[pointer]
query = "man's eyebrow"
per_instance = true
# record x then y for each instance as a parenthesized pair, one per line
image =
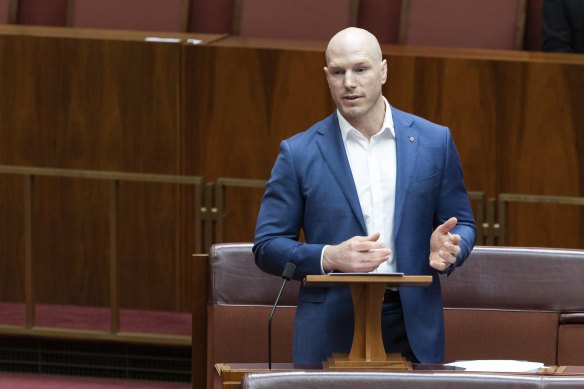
(362, 63)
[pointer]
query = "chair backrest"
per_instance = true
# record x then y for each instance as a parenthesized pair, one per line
(381, 18)
(293, 19)
(240, 301)
(508, 295)
(211, 16)
(146, 15)
(8, 10)
(488, 24)
(533, 35)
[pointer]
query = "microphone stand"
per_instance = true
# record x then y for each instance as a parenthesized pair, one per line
(286, 275)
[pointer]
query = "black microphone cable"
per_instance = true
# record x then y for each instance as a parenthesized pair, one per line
(287, 274)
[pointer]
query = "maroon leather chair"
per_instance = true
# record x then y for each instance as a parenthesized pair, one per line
(241, 297)
(8, 10)
(146, 15)
(297, 19)
(488, 24)
(516, 303)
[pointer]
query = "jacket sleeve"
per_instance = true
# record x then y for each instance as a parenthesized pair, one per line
(280, 220)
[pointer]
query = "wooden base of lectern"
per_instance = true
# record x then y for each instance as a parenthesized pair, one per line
(394, 361)
(367, 291)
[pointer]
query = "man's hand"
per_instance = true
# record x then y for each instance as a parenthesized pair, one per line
(358, 254)
(444, 246)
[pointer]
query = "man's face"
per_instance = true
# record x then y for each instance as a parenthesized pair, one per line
(355, 78)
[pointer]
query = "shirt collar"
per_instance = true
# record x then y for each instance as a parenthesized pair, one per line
(346, 127)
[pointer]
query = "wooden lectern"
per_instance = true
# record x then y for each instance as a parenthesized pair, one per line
(367, 351)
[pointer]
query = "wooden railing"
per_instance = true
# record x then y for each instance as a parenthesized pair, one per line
(29, 175)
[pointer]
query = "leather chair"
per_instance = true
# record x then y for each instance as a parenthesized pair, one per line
(293, 19)
(381, 18)
(533, 34)
(146, 15)
(516, 303)
(488, 24)
(241, 297)
(399, 380)
(8, 10)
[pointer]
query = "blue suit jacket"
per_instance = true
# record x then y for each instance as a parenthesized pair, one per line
(312, 188)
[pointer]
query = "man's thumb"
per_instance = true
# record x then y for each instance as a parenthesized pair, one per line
(448, 225)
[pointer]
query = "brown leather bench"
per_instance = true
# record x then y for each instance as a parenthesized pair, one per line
(504, 303)
(516, 303)
(402, 380)
(241, 297)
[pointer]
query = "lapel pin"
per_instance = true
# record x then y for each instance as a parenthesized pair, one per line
(411, 138)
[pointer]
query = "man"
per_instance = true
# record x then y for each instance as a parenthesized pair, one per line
(563, 26)
(373, 189)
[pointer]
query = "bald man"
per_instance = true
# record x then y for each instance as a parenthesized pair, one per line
(374, 189)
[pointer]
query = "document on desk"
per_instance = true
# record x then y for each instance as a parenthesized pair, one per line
(365, 274)
(498, 365)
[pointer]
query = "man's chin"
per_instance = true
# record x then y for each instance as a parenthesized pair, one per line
(351, 112)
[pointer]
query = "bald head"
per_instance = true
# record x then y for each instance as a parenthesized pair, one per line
(356, 71)
(354, 39)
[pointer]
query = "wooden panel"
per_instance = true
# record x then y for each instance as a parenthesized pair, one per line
(89, 104)
(244, 103)
(458, 93)
(240, 221)
(545, 225)
(70, 241)
(148, 234)
(513, 115)
(12, 209)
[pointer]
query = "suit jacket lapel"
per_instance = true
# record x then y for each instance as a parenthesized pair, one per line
(333, 151)
(406, 142)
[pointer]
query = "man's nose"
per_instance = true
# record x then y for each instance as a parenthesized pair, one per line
(349, 80)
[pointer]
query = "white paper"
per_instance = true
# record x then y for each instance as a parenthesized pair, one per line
(164, 40)
(366, 274)
(498, 365)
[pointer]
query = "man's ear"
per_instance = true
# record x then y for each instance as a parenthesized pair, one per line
(383, 71)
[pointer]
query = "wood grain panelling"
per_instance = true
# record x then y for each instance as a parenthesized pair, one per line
(512, 114)
(542, 154)
(241, 210)
(70, 241)
(148, 235)
(240, 103)
(12, 209)
(89, 104)
(457, 93)
(545, 225)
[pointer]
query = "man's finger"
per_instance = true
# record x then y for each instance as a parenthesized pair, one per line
(371, 238)
(447, 225)
(454, 238)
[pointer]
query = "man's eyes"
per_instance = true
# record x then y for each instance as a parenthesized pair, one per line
(356, 70)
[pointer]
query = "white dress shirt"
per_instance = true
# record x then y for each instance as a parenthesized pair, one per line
(373, 165)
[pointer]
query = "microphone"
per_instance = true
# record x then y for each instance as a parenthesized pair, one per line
(287, 274)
